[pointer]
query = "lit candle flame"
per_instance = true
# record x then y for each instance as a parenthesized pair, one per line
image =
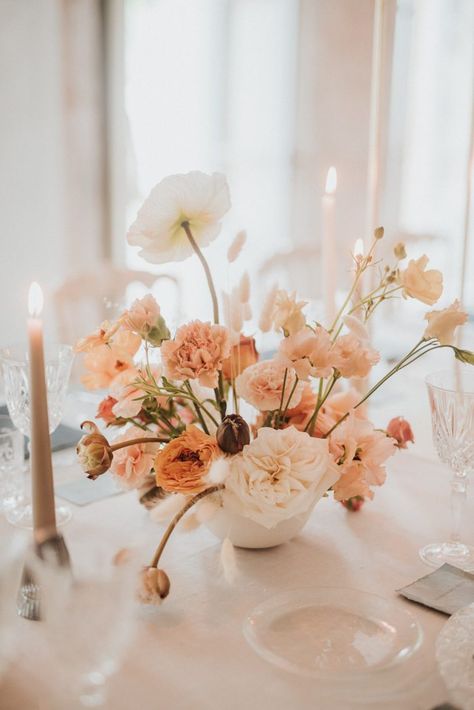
(331, 181)
(35, 300)
(359, 248)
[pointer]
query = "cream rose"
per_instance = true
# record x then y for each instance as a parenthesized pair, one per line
(280, 474)
(425, 286)
(261, 385)
(442, 324)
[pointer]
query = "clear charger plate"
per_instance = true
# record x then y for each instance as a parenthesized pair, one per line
(336, 635)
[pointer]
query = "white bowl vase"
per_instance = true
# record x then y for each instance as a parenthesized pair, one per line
(244, 532)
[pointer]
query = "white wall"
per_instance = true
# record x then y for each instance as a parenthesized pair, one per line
(48, 177)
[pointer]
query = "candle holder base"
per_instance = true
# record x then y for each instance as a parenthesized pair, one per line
(54, 552)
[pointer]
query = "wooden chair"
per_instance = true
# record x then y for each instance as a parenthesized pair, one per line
(82, 302)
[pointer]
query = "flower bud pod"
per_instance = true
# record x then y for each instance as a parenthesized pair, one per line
(233, 434)
(155, 586)
(399, 250)
(94, 452)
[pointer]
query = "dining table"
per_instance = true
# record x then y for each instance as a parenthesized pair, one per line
(191, 653)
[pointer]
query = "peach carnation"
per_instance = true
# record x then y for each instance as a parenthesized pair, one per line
(197, 352)
(353, 358)
(308, 352)
(181, 466)
(133, 464)
(442, 324)
(261, 385)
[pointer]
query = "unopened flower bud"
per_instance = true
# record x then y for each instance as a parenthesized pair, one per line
(233, 434)
(353, 504)
(155, 586)
(399, 250)
(158, 332)
(94, 452)
(400, 430)
(379, 232)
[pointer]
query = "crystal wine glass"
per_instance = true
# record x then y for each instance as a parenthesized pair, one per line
(15, 367)
(451, 396)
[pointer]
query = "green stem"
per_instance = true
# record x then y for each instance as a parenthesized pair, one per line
(140, 440)
(192, 501)
(205, 266)
(277, 418)
(197, 407)
(404, 361)
(283, 414)
(321, 400)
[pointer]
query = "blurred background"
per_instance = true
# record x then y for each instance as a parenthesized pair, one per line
(103, 98)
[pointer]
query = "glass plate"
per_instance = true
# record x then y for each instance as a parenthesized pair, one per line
(332, 634)
(455, 656)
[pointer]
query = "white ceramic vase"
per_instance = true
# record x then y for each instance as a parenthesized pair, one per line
(244, 532)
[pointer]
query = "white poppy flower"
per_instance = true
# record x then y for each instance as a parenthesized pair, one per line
(199, 199)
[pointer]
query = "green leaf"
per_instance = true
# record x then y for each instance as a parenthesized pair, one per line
(465, 356)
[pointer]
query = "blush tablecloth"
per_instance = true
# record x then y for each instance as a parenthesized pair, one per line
(192, 653)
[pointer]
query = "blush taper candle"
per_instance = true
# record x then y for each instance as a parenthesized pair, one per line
(44, 518)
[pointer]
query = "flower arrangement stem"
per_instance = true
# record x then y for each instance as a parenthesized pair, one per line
(140, 440)
(197, 408)
(413, 355)
(205, 266)
(167, 534)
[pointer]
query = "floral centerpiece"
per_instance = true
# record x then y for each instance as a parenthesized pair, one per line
(206, 424)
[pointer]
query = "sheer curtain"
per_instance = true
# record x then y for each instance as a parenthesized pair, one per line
(210, 86)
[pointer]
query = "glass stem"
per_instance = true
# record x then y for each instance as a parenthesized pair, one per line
(459, 483)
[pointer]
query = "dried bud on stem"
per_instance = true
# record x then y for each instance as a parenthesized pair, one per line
(233, 434)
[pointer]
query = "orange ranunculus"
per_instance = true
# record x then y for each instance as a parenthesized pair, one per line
(241, 356)
(181, 466)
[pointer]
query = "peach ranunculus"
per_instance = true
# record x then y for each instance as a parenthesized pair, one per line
(279, 475)
(181, 466)
(144, 318)
(287, 313)
(424, 285)
(196, 352)
(105, 362)
(261, 385)
(352, 357)
(242, 355)
(442, 324)
(308, 352)
(360, 451)
(400, 430)
(101, 336)
(132, 464)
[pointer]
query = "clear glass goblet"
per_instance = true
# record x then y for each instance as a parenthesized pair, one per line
(451, 396)
(87, 615)
(11, 463)
(15, 367)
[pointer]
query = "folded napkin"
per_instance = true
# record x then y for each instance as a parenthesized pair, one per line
(447, 589)
(63, 438)
(83, 492)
